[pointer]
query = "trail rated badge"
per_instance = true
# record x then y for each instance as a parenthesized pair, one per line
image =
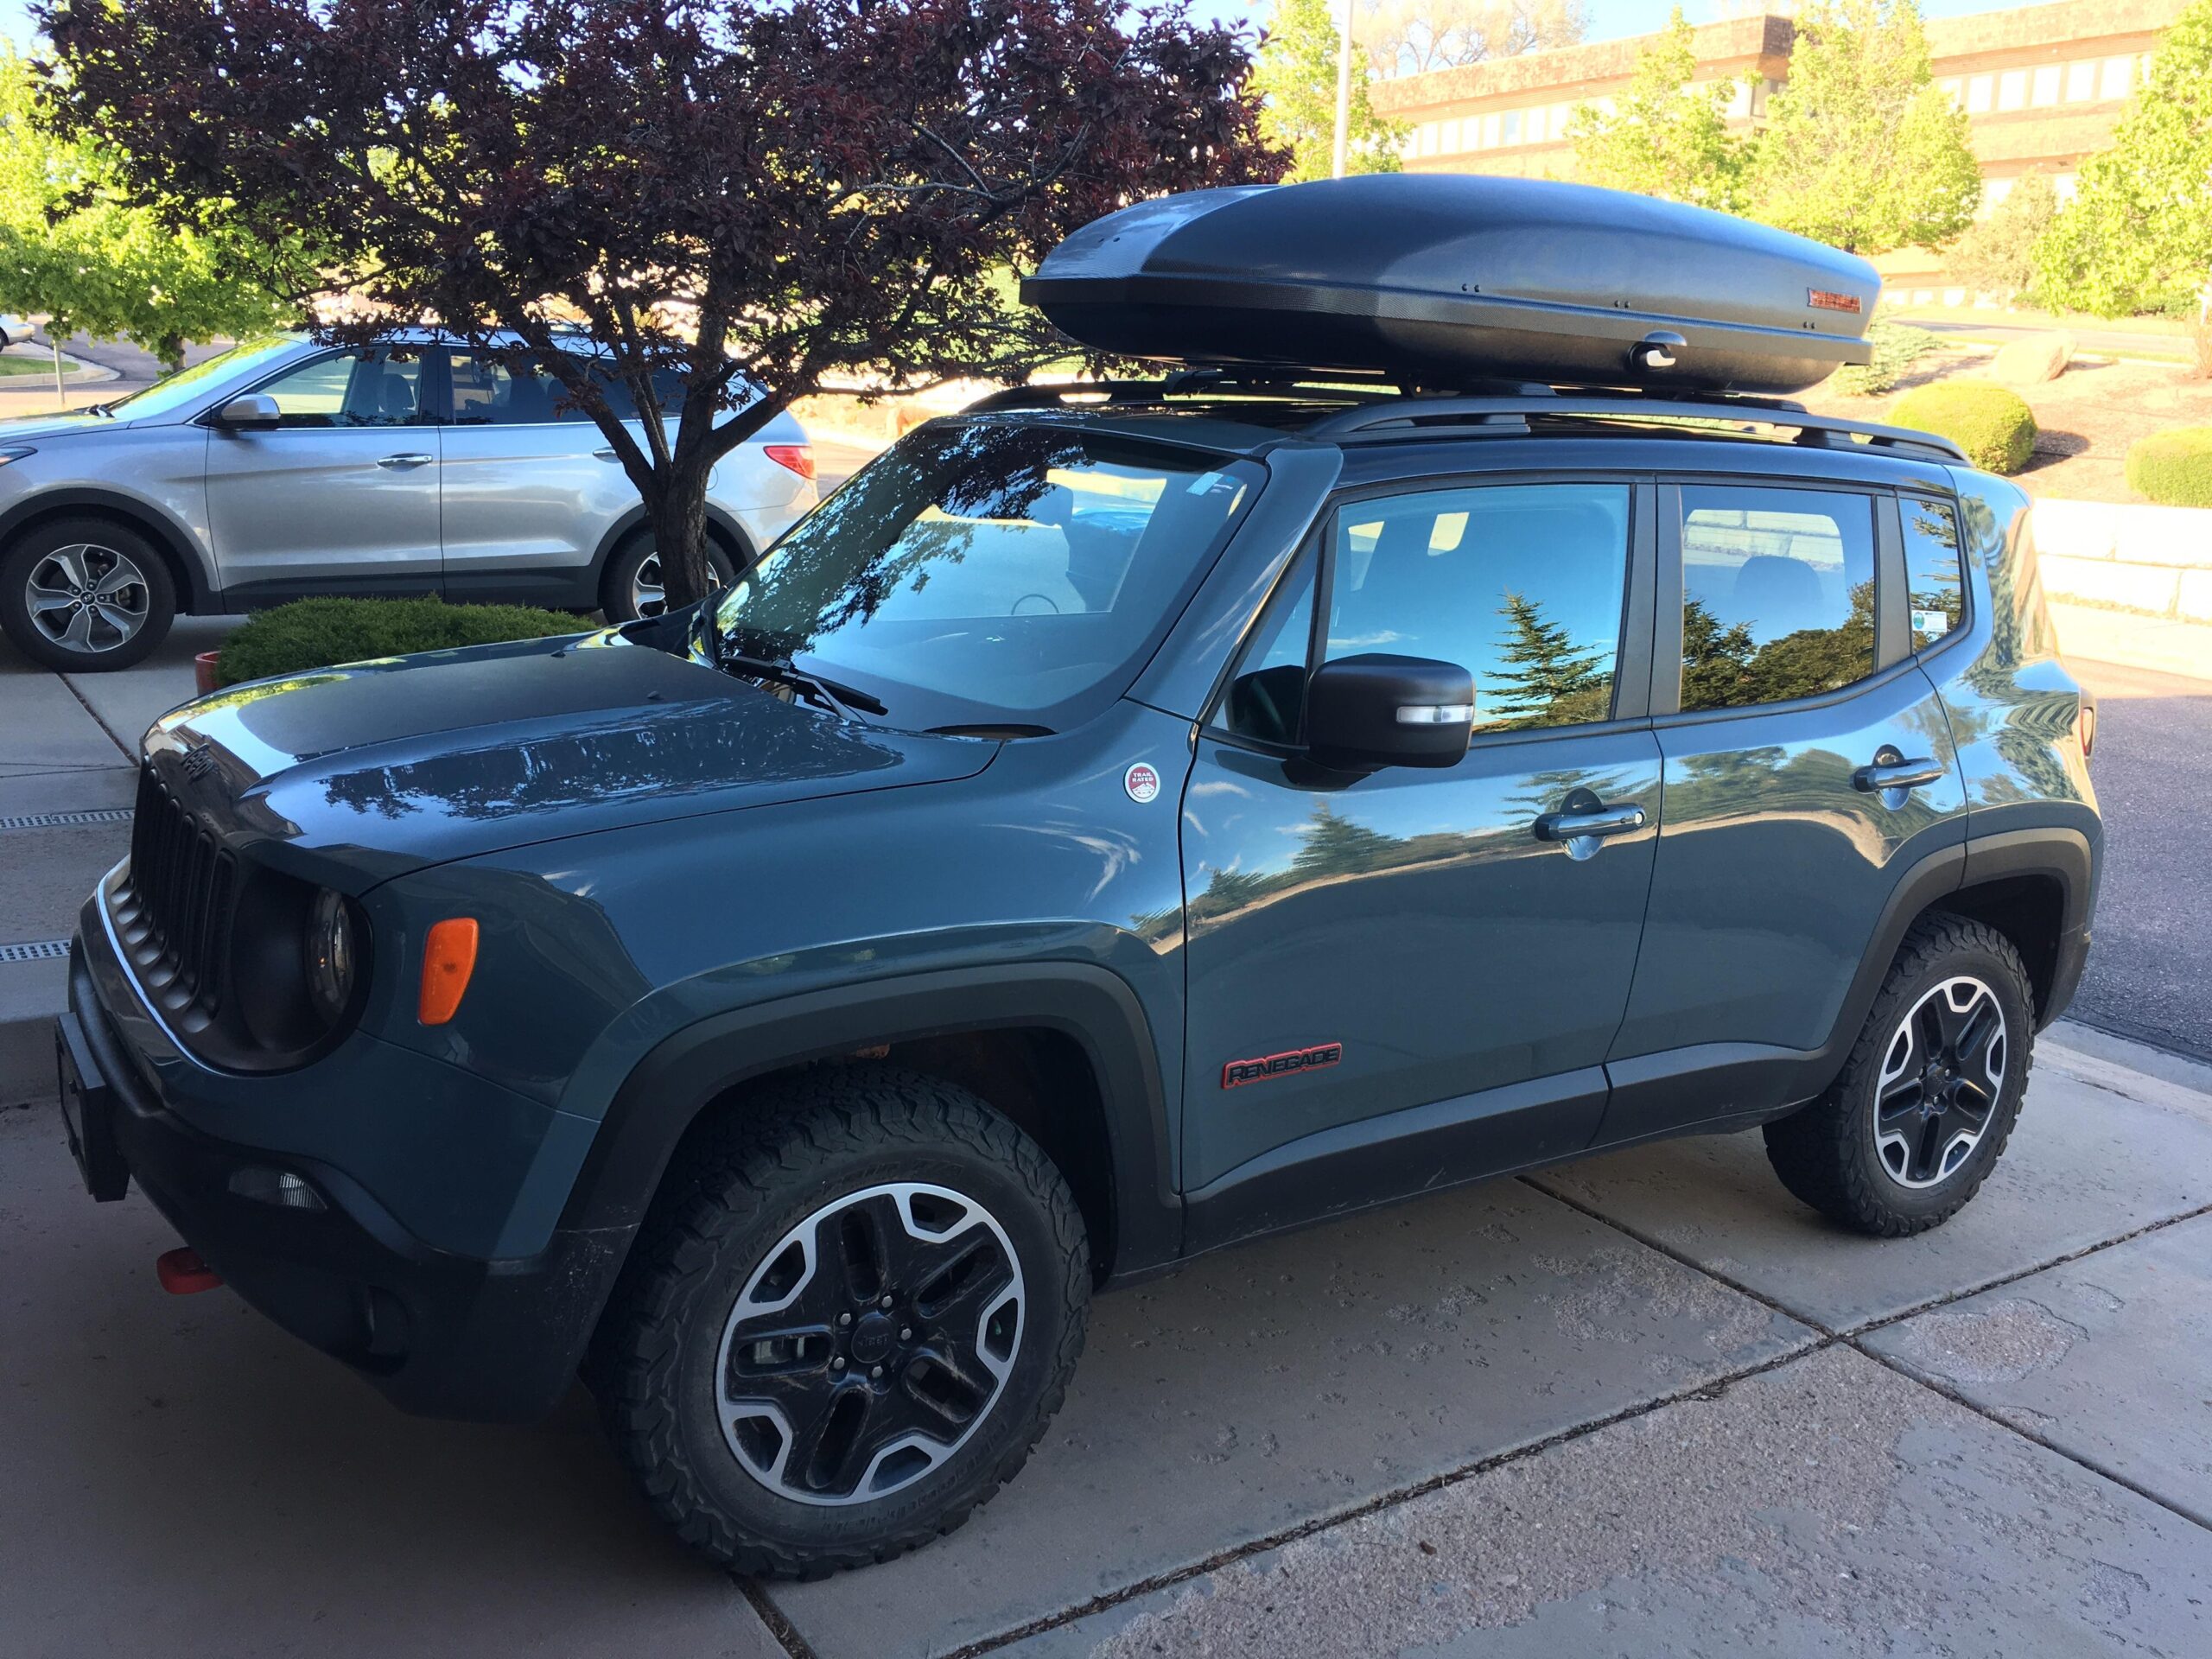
(1142, 782)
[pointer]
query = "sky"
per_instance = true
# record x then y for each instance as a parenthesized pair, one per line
(1609, 19)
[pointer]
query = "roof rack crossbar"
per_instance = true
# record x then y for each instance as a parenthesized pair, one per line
(1382, 422)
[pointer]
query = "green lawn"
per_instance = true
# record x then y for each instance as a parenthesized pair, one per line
(12, 365)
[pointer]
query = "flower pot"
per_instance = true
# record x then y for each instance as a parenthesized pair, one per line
(203, 671)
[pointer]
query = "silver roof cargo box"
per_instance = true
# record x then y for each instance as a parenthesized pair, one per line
(1446, 280)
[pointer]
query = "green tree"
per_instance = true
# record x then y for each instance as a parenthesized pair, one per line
(2138, 235)
(1860, 149)
(1296, 74)
(1997, 255)
(1664, 137)
(72, 247)
(1546, 679)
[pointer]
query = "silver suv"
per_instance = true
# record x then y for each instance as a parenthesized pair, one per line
(418, 467)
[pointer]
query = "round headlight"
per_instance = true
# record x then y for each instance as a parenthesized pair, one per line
(330, 955)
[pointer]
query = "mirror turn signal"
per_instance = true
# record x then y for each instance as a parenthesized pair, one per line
(448, 958)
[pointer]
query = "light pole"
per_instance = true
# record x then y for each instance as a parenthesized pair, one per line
(1344, 94)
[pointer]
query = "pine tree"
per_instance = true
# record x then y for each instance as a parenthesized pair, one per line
(1296, 74)
(1860, 149)
(1664, 137)
(1545, 680)
(2138, 235)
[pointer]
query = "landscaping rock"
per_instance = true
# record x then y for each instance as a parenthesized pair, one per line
(2032, 361)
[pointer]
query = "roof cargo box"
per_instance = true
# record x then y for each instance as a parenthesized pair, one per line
(1444, 281)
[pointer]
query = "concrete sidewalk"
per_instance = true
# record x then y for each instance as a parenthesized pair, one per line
(1644, 1405)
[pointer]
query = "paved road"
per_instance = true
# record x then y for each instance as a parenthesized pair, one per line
(2101, 342)
(2150, 972)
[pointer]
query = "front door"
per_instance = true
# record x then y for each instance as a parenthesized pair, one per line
(1809, 764)
(343, 498)
(1428, 961)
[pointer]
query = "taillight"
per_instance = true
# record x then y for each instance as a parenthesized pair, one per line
(799, 457)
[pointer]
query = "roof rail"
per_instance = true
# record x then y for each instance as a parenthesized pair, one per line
(1383, 421)
(1286, 381)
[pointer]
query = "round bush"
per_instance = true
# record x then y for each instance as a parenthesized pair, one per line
(312, 633)
(2173, 468)
(1993, 426)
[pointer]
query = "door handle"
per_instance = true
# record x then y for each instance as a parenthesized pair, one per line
(1575, 822)
(1892, 771)
(396, 462)
(605, 454)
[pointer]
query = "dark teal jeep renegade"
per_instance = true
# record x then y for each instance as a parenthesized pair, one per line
(1111, 827)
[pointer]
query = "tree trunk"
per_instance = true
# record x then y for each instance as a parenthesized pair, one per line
(678, 513)
(61, 392)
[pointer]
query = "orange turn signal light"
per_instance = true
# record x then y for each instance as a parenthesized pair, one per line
(448, 958)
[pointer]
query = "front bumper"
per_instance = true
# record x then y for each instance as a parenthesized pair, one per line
(440, 1333)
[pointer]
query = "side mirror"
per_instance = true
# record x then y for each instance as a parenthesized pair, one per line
(255, 412)
(1381, 710)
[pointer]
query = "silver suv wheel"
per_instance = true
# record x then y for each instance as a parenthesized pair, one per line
(648, 593)
(870, 1344)
(85, 597)
(1942, 1076)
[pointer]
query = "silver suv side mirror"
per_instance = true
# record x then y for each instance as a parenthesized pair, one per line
(255, 412)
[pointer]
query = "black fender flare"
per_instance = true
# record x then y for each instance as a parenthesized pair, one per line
(666, 1091)
(196, 592)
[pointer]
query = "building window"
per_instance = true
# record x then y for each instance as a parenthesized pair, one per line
(2082, 81)
(1978, 92)
(2063, 185)
(1426, 133)
(1448, 142)
(1956, 89)
(2012, 90)
(1489, 132)
(2112, 84)
(1508, 127)
(2046, 87)
(1995, 191)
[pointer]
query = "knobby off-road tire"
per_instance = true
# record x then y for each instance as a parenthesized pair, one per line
(1883, 1151)
(869, 1238)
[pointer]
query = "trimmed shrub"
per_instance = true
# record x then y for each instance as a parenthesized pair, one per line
(1897, 347)
(2173, 468)
(312, 633)
(1993, 426)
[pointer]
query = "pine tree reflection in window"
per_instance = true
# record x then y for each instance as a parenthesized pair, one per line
(1778, 594)
(1932, 571)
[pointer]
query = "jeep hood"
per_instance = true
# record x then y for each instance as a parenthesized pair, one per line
(416, 760)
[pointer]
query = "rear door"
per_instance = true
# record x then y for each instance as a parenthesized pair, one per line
(1809, 765)
(343, 497)
(1448, 980)
(530, 487)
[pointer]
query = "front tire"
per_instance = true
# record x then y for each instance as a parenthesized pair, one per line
(1928, 1096)
(850, 1315)
(86, 594)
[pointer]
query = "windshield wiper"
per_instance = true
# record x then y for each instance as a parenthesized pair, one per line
(845, 699)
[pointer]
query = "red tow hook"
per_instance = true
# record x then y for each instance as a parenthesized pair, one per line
(182, 1272)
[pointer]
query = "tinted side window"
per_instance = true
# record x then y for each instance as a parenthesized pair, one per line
(352, 388)
(1521, 585)
(1777, 595)
(489, 392)
(1931, 569)
(1266, 699)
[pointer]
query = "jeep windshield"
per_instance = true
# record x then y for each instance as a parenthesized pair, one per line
(993, 574)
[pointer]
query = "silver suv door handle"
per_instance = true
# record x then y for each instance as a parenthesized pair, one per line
(1592, 821)
(396, 462)
(604, 454)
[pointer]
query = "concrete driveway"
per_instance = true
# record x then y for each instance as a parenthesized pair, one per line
(1646, 1404)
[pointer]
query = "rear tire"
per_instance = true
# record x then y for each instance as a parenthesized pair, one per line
(631, 587)
(1928, 1096)
(851, 1312)
(84, 594)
